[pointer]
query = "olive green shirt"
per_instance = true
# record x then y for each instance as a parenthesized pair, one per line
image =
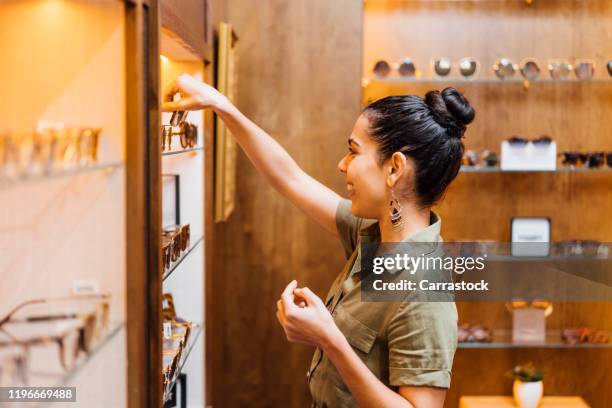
(402, 343)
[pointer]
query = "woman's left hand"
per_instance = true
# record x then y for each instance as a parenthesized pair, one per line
(305, 318)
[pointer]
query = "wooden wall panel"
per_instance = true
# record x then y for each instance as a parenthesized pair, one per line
(299, 74)
(480, 206)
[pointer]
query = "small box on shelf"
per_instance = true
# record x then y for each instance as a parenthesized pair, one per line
(528, 157)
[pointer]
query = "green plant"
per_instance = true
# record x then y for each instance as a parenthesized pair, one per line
(526, 373)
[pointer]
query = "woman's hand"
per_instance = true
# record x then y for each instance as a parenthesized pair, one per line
(195, 95)
(305, 318)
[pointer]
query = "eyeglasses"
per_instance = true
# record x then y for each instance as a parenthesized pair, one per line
(76, 323)
(487, 157)
(175, 240)
(583, 69)
(13, 365)
(590, 160)
(40, 152)
(188, 133)
(518, 141)
(476, 333)
(587, 248)
(381, 68)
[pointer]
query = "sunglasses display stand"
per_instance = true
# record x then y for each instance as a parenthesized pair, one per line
(528, 157)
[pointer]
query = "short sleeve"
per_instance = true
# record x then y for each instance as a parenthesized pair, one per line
(348, 226)
(422, 339)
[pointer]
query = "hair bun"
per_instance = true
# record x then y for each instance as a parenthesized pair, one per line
(458, 106)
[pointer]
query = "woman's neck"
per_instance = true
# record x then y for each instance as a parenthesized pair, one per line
(414, 219)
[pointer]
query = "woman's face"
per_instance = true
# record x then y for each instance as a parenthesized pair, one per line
(365, 178)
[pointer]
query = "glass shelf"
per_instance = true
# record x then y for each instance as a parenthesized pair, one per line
(13, 181)
(39, 377)
(497, 169)
(502, 339)
(455, 80)
(176, 263)
(196, 330)
(173, 152)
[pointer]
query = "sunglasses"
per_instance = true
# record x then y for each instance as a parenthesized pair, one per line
(188, 133)
(517, 141)
(488, 158)
(467, 67)
(78, 323)
(583, 69)
(590, 160)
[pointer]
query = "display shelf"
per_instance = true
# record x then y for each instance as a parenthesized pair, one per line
(195, 149)
(40, 377)
(181, 258)
(12, 181)
(502, 339)
(455, 80)
(497, 169)
(196, 330)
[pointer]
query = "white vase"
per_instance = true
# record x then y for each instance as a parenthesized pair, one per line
(527, 394)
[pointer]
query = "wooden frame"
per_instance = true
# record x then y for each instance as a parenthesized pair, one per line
(143, 303)
(225, 146)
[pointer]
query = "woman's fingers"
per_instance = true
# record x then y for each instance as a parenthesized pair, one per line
(185, 103)
(287, 296)
(309, 296)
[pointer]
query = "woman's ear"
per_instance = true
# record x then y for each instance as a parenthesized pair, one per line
(398, 168)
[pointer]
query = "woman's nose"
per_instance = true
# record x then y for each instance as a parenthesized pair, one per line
(342, 165)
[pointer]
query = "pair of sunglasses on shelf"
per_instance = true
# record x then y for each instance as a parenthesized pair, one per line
(575, 335)
(588, 248)
(467, 67)
(73, 324)
(40, 152)
(405, 69)
(474, 333)
(486, 158)
(519, 141)
(175, 240)
(504, 68)
(442, 67)
(589, 160)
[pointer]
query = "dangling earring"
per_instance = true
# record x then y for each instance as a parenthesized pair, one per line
(395, 211)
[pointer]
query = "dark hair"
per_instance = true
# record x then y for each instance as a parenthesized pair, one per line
(429, 131)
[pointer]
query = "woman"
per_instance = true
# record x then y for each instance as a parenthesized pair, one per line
(403, 153)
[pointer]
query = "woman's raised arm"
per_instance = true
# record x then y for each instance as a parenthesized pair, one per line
(268, 157)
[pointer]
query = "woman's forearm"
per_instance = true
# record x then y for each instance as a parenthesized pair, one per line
(266, 154)
(367, 390)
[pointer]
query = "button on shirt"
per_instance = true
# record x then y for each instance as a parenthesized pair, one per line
(402, 343)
